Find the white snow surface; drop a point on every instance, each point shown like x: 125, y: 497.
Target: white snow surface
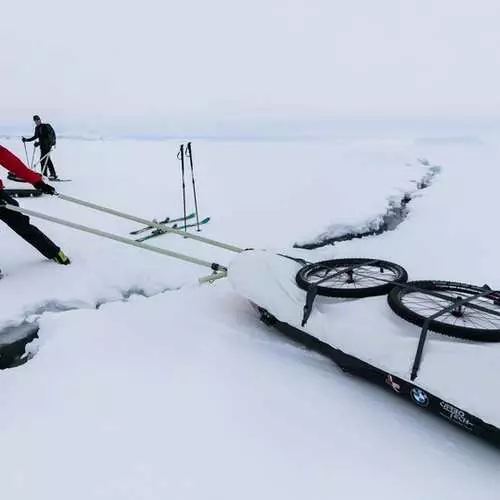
x: 185, y: 394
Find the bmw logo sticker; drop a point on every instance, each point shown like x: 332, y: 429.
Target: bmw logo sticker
x: 419, y: 396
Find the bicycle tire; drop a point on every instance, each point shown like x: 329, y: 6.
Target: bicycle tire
x: 350, y: 289
x: 449, y: 324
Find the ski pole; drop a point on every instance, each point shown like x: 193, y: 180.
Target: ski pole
x: 32, y: 158
x: 189, y: 154
x: 26, y: 151
x: 180, y: 156
x: 41, y: 159
x: 219, y: 271
x: 43, y: 165
x: 151, y: 223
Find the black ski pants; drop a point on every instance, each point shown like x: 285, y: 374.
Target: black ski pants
x: 47, y: 162
x: 20, y: 223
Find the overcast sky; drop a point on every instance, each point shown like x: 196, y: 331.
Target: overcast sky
x: 162, y: 62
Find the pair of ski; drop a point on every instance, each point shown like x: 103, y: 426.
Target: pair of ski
x: 177, y: 223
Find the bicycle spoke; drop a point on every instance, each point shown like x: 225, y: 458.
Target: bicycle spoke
x: 452, y: 308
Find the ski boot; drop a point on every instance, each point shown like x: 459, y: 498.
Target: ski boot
x: 61, y: 258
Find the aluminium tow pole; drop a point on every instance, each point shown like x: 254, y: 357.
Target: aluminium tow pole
x: 218, y: 270
x: 151, y: 223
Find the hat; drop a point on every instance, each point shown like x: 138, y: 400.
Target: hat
x: 36, y: 118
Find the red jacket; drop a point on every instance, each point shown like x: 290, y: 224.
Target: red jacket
x: 13, y: 164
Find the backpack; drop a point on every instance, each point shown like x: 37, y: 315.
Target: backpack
x: 51, y: 134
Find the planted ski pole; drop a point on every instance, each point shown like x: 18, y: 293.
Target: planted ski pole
x: 151, y: 223
x: 219, y: 271
x: 26, y: 151
x: 189, y: 154
x: 32, y: 159
x: 40, y: 160
x: 180, y: 156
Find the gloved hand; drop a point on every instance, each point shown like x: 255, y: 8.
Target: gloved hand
x: 36, y: 144
x: 44, y: 188
x: 23, y: 139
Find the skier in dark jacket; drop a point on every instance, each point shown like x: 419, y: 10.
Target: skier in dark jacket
x: 19, y: 222
x: 46, y: 139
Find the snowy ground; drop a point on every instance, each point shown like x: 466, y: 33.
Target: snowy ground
x: 185, y: 394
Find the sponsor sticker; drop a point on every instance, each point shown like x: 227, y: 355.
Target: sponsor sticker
x: 419, y: 396
x: 390, y: 381
x: 455, y: 415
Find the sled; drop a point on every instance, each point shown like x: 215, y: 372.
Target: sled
x: 22, y: 193
x: 433, y: 343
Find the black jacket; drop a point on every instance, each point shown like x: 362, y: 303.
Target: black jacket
x: 45, y: 135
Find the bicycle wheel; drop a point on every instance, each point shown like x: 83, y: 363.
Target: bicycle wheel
x: 478, y: 319
x: 351, y: 278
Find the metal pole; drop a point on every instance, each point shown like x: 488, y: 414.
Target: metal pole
x: 40, y: 160
x: 212, y: 265
x: 151, y: 223
x: 32, y: 159
x: 180, y: 155
x: 189, y: 154
x: 215, y: 276
x: 26, y: 151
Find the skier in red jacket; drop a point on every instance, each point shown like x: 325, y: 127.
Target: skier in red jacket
x: 19, y: 222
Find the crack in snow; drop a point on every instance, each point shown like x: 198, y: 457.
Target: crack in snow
x: 396, y: 213
x: 33, y: 314
x: 56, y: 306
x: 18, y: 340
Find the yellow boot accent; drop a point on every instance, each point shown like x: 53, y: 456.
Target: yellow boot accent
x: 61, y: 258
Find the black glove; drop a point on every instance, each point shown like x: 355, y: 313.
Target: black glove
x: 44, y: 188
x: 36, y: 144
x: 23, y: 139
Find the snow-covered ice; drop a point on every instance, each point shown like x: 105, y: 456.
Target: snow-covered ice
x: 148, y: 385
